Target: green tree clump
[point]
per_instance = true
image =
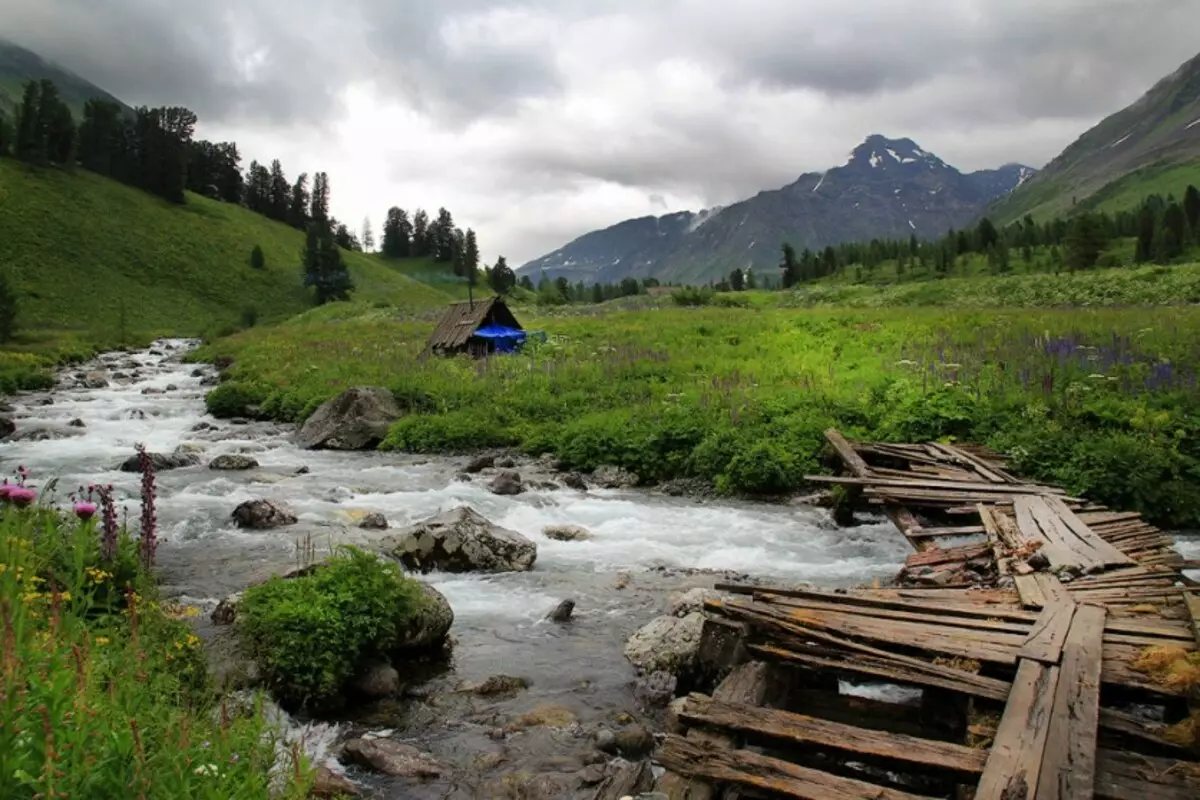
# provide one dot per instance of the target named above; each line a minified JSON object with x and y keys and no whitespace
{"x":257,"y":259}
{"x":8,"y":310}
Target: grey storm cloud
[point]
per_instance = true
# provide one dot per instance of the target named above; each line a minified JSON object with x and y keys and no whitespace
{"x":700,"y":99}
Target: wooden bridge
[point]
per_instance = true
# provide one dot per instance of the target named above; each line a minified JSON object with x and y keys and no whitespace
{"x":1055,"y":652}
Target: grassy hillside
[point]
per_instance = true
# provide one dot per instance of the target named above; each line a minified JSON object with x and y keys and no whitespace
{"x":1149,"y":139}
{"x":92,"y":258}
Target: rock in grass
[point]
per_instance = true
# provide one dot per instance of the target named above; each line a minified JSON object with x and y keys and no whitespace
{"x":230,"y":461}
{"x":263,"y":515}
{"x":461,"y":540}
{"x":357,"y":419}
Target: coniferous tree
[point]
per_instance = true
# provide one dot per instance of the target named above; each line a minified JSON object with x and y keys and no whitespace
{"x":7,"y":137}
{"x":29,"y":137}
{"x":298,"y":207}
{"x":597,"y":293}
{"x":344,"y":238}
{"x":319,"y":208}
{"x":790,"y":266}
{"x":526,"y":283}
{"x":1170,"y":234}
{"x":470,"y":257}
{"x":257,"y":189}
{"x":257,"y":259}
{"x":8,"y":310}
{"x":501,"y":277}
{"x":751,"y":281}
{"x":280,"y":193}
{"x":1084,"y":242}
{"x":443,"y":244}
{"x":421,"y":246}
{"x":397,"y":234}
{"x":737,"y":280}
{"x":1144,"y":251}
{"x":1191,"y":210}
{"x":324,"y":269}
{"x":368,"y":236}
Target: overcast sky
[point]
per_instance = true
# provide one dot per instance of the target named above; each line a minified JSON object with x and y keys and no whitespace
{"x":536,"y":121}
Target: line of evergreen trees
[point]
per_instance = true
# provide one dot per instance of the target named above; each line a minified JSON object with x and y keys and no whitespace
{"x":438,"y":238}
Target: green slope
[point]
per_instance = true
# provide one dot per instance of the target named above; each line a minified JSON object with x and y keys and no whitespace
{"x":1153,"y":139}
{"x":18,"y":65}
{"x":98,"y":259}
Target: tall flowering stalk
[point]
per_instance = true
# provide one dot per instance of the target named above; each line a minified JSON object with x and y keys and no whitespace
{"x":108,"y":523}
{"x":149,"y":537}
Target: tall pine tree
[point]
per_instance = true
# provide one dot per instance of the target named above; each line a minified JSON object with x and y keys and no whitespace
{"x":298,"y":207}
{"x":421,"y":244}
{"x":1191,"y":211}
{"x":280,"y":193}
{"x":324,"y":269}
{"x":397,"y":234}
{"x":319,"y":208}
{"x":470,"y":258}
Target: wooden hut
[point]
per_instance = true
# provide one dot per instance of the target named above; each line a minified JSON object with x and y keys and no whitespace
{"x":477,"y":328}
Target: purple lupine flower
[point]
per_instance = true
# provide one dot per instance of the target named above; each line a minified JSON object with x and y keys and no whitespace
{"x":108,"y":517}
{"x":149,"y":527}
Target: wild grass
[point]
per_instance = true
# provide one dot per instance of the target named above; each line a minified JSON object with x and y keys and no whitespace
{"x":1100,"y":400}
{"x":103,"y":690}
{"x":105,"y":262}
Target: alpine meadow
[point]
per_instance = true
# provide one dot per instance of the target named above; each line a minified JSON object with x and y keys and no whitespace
{"x":888,"y":458}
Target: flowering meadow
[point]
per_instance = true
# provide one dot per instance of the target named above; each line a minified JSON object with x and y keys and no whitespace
{"x":103,"y":689}
{"x":1103,"y":401}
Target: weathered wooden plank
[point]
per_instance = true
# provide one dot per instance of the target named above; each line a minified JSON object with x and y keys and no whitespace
{"x":1031,"y":531}
{"x":747,"y":684}
{"x":933,"y":618}
{"x":1030,"y":591}
{"x":1132,"y":776}
{"x":1015,"y":759}
{"x":803,"y":729}
{"x":1045,"y":641}
{"x":852,"y":459}
{"x":949,"y":530}
{"x":919,"y":482}
{"x":948,"y":678}
{"x":1052,"y":588}
{"x":1192,"y":603}
{"x":753,"y":771}
{"x":947,"y":555}
{"x":1094,"y":518}
{"x":906,"y":600}
{"x":1069,"y":760}
{"x":977,"y":463}
{"x":1100,"y":550}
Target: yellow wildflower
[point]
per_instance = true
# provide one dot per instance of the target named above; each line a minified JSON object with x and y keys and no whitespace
{"x":102,"y":640}
{"x":193,"y":640}
{"x":31,"y":597}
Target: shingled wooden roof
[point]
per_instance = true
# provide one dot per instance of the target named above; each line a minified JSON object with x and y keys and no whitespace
{"x":461,"y":320}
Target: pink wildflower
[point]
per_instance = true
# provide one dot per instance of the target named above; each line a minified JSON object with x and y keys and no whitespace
{"x":85,"y":510}
{"x":21,"y":496}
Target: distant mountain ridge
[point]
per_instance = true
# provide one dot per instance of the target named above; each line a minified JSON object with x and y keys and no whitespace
{"x":18,"y":65}
{"x":1159,"y":130}
{"x":888,"y":188}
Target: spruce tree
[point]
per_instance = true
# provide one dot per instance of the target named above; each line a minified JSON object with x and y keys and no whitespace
{"x":501,"y":277}
{"x":470,"y":257}
{"x":597,"y":293}
{"x":319,"y":207}
{"x":29,"y":136}
{"x":526,"y":283}
{"x":397,"y":234}
{"x":1144,"y":250}
{"x":257,"y":259}
{"x":8,"y":310}
{"x":443,"y":246}
{"x":790,"y":266}
{"x":298,"y":206}
{"x":737,"y":280}
{"x":421,"y":245}
{"x":368,"y":236}
{"x":1191,"y":210}
{"x":280,"y":193}
{"x":323,"y":267}
{"x":7,"y":135}
{"x":751,"y":281}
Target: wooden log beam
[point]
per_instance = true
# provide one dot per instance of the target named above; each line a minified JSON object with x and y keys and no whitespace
{"x":934,"y":484}
{"x":1015,"y":759}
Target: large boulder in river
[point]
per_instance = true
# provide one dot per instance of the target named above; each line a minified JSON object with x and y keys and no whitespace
{"x":667,"y":644}
{"x":161,"y":461}
{"x":263,"y":515}
{"x":7,"y":427}
{"x":357,"y":419}
{"x":95,"y":380}
{"x":232,"y":461}
{"x":428,"y":626}
{"x":461,"y":540}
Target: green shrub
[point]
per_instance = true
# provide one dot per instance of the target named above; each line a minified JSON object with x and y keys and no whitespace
{"x":452,"y":432}
{"x":236,"y":399}
{"x":762,"y":467}
{"x":257,"y":259}
{"x":311,"y":634}
{"x":692,"y":296}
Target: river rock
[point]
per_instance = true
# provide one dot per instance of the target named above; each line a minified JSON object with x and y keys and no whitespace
{"x":392,"y":758}
{"x":461,"y":540}
{"x":498,"y":685}
{"x":378,"y":680}
{"x":684,"y":603}
{"x":608,"y":477}
{"x":634,"y":742}
{"x":263,"y":515}
{"x":329,"y":784}
{"x":161,"y":461}
{"x":428,"y":626}
{"x":562,"y":612}
{"x":231,"y":461}
{"x":666,"y":644}
{"x":7,"y":427}
{"x":77,"y":423}
{"x":95,"y":380}
{"x":226,"y":611}
{"x":479,"y":464}
{"x":152,"y":390}
{"x":655,"y":690}
{"x":573,"y":480}
{"x":357,"y":419}
{"x":506,"y":483}
{"x":567,"y":533}
{"x":374,"y":522}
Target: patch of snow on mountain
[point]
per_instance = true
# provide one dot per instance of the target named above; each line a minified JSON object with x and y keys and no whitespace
{"x":894,"y":154}
{"x":1192,"y":124}
{"x":751,"y":245}
{"x":818,"y":186}
{"x":876,"y":160}
{"x":919,"y":153}
{"x":703,"y":217}
{"x":910,"y":224}
{"x":1118,"y":141}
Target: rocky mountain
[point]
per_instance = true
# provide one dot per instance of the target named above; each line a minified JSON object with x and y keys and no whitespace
{"x":1152,"y":145}
{"x":888,"y":188}
{"x":18,"y":65}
